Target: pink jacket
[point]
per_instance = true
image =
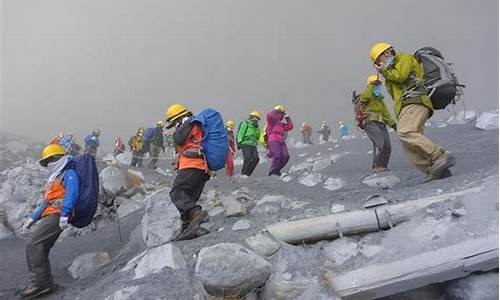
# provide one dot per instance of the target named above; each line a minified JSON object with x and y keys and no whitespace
{"x":276,"y":130}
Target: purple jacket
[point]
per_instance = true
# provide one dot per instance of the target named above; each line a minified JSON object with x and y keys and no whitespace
{"x":276,"y":130}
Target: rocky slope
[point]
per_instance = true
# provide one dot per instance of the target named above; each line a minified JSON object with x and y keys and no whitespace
{"x":129,"y":253}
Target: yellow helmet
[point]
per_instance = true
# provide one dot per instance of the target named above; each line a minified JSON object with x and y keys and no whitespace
{"x":175,"y":112}
{"x":255,"y":114}
{"x":280,"y":108}
{"x":377,"y":50}
{"x":230,"y":124}
{"x":372,"y":79}
{"x":50,"y":151}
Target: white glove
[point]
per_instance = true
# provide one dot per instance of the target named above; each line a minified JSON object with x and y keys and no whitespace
{"x":63,"y":223}
{"x":286,"y":116}
{"x":27,"y":224}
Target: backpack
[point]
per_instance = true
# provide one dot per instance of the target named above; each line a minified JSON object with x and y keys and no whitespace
{"x":359,"y":114}
{"x":86,"y":205}
{"x":214,"y":143}
{"x":440,"y":79}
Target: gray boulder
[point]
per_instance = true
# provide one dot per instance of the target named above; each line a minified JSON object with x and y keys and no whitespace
{"x":86,"y":264}
{"x":263,"y":245}
{"x":113,"y":180}
{"x":381,"y":181}
{"x":161,"y":222}
{"x":229,"y":269}
{"x":155,"y":259}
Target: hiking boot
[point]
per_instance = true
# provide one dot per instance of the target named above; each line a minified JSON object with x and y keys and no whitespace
{"x":441,"y":164}
{"x":191,"y":231}
{"x":377,"y":170}
{"x":32,"y":291}
{"x":447,"y":173}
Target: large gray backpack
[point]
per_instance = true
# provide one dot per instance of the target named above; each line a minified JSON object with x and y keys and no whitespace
{"x":440,"y":79}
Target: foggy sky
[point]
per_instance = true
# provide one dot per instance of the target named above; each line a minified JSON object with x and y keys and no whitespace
{"x":118,"y":64}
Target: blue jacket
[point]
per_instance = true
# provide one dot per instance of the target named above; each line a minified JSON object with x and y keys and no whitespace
{"x":71,"y":183}
{"x":92,"y":140}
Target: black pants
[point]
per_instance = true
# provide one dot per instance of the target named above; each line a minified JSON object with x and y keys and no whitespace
{"x":250,"y":159}
{"x":137,"y":159}
{"x":41,"y":240}
{"x":186,"y":191}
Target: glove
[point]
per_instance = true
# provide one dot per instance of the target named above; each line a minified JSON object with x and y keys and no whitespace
{"x":286,"y":116}
{"x":27,"y":224}
{"x":63,"y":222}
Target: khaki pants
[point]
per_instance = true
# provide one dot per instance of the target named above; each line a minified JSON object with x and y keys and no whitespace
{"x":419,"y":150}
{"x":41,"y":240}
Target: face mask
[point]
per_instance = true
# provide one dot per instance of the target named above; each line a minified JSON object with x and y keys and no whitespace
{"x":389,"y":60}
{"x":377,"y":90}
{"x":52,"y":166}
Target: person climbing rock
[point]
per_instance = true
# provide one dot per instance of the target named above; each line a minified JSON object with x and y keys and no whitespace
{"x":247,"y":138}
{"x":278,"y":124}
{"x":50,"y":218}
{"x":412,"y":106}
{"x":377,"y":117}
{"x":192,"y":170}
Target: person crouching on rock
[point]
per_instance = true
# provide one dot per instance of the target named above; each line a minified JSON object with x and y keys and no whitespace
{"x":52,"y":217}
{"x":278,"y":123}
{"x":192,"y":170}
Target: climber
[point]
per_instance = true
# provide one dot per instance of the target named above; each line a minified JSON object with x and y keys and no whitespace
{"x":136,"y":143}
{"x":232,"y":148}
{"x":50,"y":218}
{"x":325,"y":132}
{"x":306,"y":131}
{"x":247,"y":139}
{"x":278,"y":124}
{"x":92,"y":142}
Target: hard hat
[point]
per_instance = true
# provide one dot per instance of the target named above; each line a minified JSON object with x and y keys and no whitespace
{"x":140,"y":130}
{"x":96,"y":131}
{"x":230,"y":124}
{"x":175,"y":112}
{"x":61,"y":135}
{"x":255,"y":114}
{"x":377,"y":50}
{"x":50,"y":151}
{"x":279,"y":108}
{"x":304,"y":124}
{"x":372,"y":79}
{"x":160,"y":123}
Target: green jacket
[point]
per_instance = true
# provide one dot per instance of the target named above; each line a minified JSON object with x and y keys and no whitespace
{"x":398,"y":75}
{"x":375,"y":107}
{"x":248,"y":133}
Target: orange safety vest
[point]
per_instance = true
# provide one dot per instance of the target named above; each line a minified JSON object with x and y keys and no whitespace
{"x":192,"y":145}
{"x":54,"y":197}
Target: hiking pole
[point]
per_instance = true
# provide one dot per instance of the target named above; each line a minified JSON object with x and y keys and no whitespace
{"x":119,"y":228}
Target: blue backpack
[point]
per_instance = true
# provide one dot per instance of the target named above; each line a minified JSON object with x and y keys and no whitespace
{"x":86,"y":205}
{"x":214,"y":143}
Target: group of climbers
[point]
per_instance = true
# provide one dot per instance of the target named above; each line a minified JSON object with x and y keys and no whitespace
{"x":272,"y":137}
{"x":150,"y":141}
{"x":404,"y":81}
{"x":71,"y":147}
{"x":306,"y":130}
{"x":403,"y":76}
